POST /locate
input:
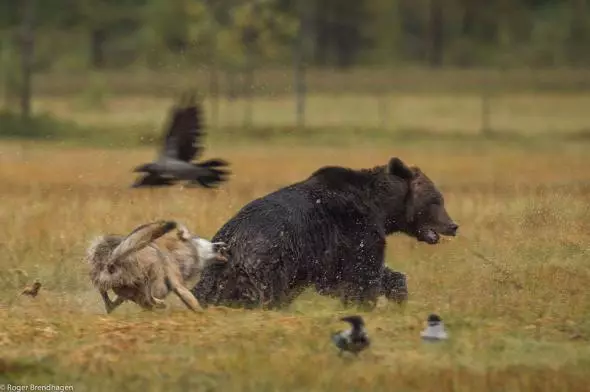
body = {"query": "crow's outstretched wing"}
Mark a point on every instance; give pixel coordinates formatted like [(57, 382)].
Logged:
[(184, 136)]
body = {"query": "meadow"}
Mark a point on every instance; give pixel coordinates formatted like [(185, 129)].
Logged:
[(511, 287)]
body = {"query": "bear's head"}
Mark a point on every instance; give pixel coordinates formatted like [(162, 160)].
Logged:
[(423, 215)]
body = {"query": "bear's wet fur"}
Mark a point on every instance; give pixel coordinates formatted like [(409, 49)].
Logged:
[(327, 231)]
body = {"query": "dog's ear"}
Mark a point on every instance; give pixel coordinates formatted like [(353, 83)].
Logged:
[(398, 168)]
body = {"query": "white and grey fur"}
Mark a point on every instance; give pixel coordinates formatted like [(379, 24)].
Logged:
[(140, 270), (208, 253)]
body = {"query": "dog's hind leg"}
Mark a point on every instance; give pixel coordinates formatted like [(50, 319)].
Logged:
[(183, 293), (110, 305), (156, 302), (147, 299), (160, 289), (188, 298)]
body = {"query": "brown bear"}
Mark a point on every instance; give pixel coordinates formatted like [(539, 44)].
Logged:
[(327, 231)]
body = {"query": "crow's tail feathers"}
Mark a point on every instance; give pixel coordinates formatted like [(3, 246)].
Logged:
[(217, 162), (213, 173)]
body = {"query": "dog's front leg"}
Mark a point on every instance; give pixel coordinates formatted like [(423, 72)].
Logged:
[(117, 302), (110, 305), (183, 293), (188, 298)]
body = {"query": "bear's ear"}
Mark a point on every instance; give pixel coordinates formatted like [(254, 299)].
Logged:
[(397, 168)]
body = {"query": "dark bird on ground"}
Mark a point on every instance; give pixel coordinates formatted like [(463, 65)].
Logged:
[(32, 290), (354, 339), (435, 330), (182, 143)]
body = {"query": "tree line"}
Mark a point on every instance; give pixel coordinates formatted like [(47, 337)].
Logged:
[(336, 33), (244, 35)]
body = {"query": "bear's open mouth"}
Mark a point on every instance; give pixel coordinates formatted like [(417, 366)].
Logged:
[(429, 236)]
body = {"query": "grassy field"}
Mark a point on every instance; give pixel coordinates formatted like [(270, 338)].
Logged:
[(517, 316), (278, 81), (524, 114), (408, 99), (518, 320)]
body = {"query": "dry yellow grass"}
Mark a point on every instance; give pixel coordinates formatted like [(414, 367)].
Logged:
[(517, 321)]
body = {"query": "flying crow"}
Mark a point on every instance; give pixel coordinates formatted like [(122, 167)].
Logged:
[(354, 339), (182, 143)]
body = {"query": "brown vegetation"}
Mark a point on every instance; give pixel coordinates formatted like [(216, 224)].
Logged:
[(517, 318)]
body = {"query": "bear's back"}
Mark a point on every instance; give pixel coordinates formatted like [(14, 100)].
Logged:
[(284, 209), (330, 196)]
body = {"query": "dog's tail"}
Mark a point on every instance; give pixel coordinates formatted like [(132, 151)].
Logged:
[(141, 237)]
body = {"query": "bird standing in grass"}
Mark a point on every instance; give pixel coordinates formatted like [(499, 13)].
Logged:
[(32, 290), (182, 143), (354, 339), (435, 330)]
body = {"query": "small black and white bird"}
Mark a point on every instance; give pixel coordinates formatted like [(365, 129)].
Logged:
[(354, 339), (182, 143), (435, 330)]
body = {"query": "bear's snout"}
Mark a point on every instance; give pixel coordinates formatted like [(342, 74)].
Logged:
[(443, 224), (451, 229)]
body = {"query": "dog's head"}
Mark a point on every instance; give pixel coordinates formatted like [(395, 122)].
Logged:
[(119, 273), (104, 272)]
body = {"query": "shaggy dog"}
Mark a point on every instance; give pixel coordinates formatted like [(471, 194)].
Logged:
[(329, 232), (138, 269)]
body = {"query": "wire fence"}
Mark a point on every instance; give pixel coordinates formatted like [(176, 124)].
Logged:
[(451, 101)]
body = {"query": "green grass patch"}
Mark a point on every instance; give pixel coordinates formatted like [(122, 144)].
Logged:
[(47, 128), (43, 126)]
